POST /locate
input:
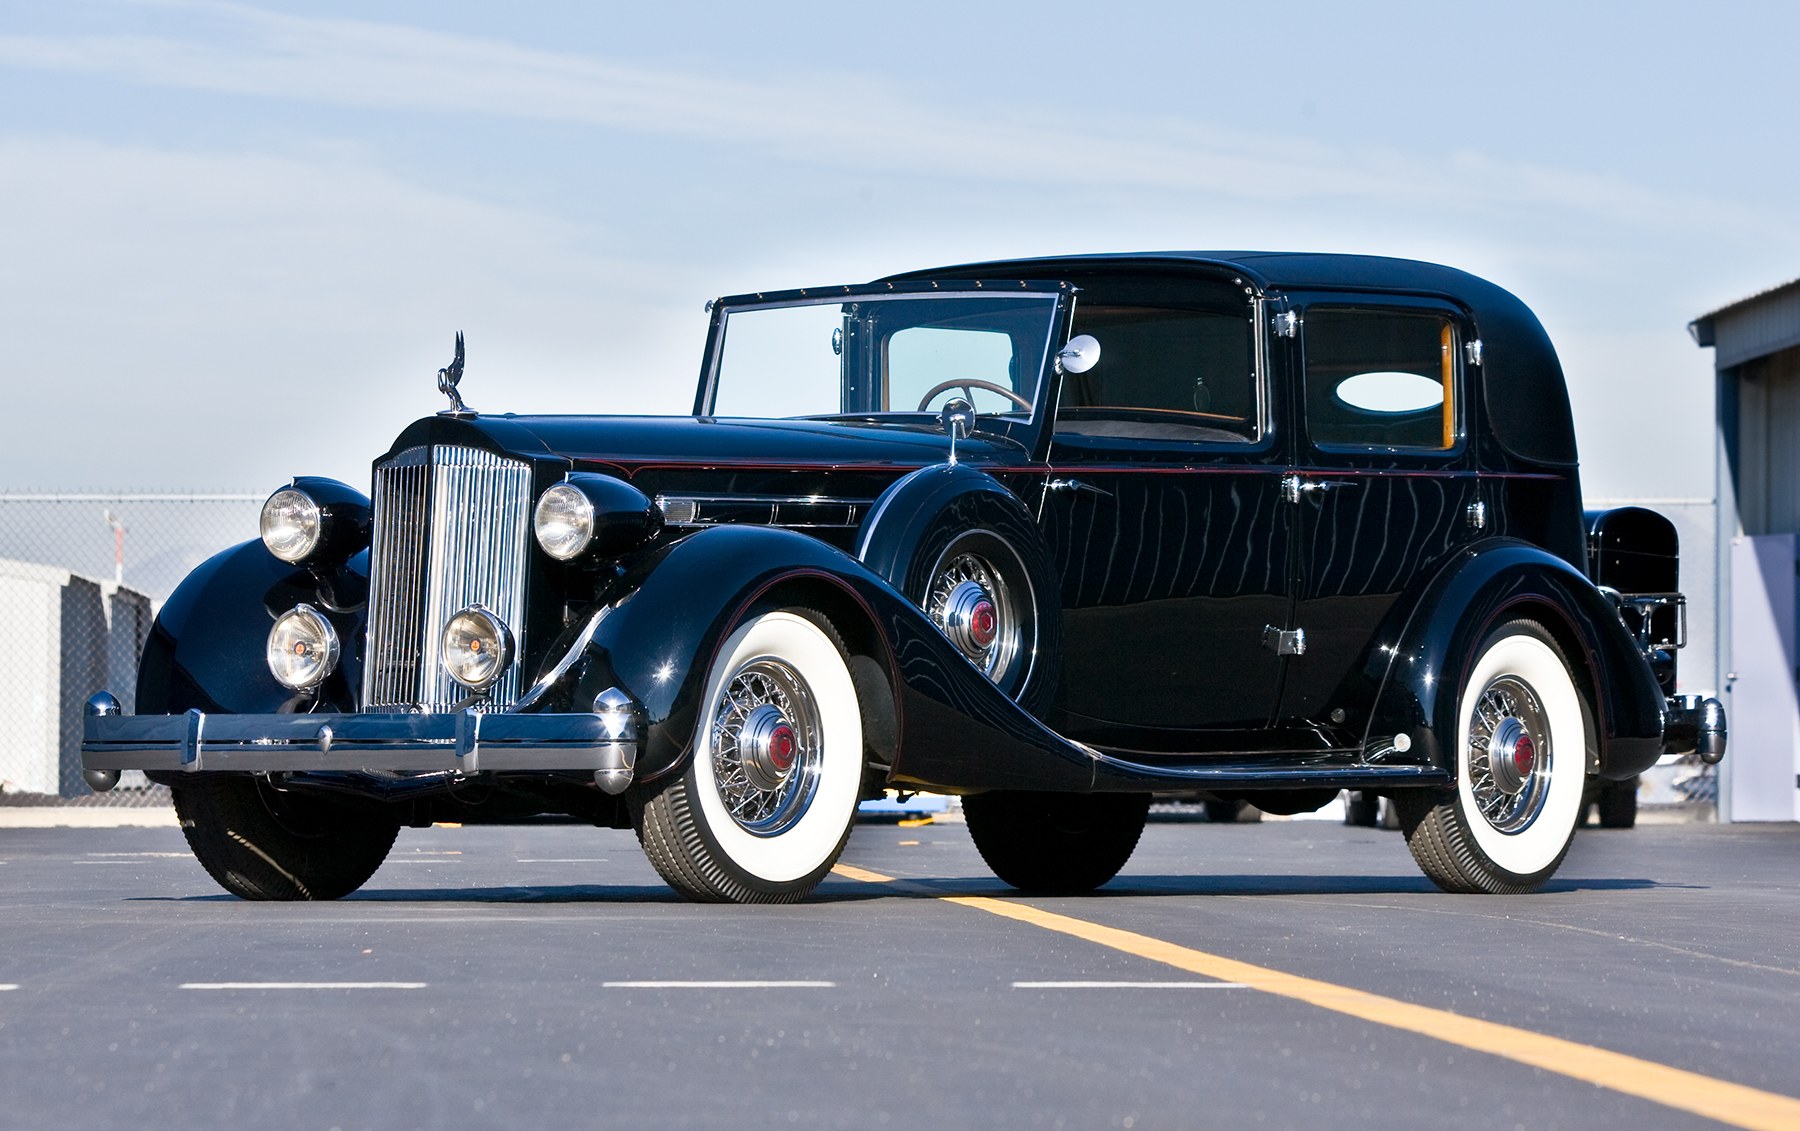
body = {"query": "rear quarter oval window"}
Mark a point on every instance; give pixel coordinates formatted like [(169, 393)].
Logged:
[(1388, 392)]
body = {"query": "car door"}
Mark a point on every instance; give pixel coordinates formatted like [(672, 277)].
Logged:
[(1164, 517), (1383, 487)]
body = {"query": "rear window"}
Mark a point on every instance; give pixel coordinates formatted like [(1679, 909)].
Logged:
[(1380, 379)]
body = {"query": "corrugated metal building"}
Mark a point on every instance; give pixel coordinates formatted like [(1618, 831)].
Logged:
[(1756, 358)]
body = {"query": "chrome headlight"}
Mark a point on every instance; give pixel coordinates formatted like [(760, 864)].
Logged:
[(303, 648), (316, 521), (593, 515), (563, 522), (477, 648), (291, 522)]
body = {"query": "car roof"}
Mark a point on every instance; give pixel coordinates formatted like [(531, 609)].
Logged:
[(1520, 376)]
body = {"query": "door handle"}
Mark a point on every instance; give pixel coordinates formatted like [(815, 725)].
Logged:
[(1073, 485), (1293, 487)]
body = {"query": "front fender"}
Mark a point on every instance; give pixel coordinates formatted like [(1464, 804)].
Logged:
[(207, 647), (658, 642), (1473, 595)]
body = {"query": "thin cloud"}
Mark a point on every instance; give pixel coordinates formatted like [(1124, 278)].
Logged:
[(243, 51)]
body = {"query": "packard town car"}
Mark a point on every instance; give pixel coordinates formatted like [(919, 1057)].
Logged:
[(1054, 535)]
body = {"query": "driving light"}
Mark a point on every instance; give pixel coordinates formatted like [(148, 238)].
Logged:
[(477, 648), (291, 524), (303, 648), (563, 522)]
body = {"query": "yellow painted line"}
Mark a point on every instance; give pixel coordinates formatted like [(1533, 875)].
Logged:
[(850, 872), (1677, 1088)]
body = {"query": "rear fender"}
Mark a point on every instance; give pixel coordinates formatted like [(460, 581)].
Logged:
[(1482, 589)]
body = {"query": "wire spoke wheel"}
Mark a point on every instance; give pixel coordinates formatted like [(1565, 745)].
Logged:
[(977, 595), (1510, 755), (1520, 747), (767, 800), (766, 747)]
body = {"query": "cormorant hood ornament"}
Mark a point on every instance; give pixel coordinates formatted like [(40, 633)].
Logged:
[(449, 377)]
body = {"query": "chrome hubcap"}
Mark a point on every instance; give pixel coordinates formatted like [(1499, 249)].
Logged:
[(972, 606), (970, 619), (1509, 754), (767, 746)]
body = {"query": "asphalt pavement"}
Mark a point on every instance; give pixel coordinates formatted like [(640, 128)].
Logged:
[(1283, 974)]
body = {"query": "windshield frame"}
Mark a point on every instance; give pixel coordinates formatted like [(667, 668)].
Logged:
[(1025, 429)]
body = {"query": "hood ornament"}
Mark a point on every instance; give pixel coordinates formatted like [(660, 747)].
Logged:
[(449, 377)]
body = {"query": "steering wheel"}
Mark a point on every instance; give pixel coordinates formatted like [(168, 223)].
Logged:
[(969, 385)]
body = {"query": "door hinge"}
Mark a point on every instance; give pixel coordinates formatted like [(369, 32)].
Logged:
[(1472, 351), (1287, 324), (1284, 641)]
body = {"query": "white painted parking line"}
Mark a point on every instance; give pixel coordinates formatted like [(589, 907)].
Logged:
[(719, 985), (303, 985), (566, 860), (8, 986), (155, 855), (1130, 986)]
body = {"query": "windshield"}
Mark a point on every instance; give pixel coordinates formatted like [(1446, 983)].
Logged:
[(877, 354)]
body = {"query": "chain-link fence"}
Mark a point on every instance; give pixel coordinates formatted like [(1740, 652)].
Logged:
[(81, 578)]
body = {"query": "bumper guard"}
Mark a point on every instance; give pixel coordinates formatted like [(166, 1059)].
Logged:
[(1692, 725)]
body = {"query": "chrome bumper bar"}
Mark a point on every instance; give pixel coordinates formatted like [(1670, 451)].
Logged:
[(603, 742)]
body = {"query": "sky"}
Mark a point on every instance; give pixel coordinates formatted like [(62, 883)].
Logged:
[(236, 240)]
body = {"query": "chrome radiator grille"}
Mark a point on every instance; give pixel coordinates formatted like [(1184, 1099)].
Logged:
[(451, 526)]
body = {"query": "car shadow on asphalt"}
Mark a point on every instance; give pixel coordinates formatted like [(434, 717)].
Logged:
[(841, 890), (538, 893), (1141, 886)]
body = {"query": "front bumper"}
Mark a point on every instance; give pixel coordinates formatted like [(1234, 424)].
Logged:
[(604, 743)]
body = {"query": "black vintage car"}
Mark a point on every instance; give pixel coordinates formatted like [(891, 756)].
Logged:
[(1055, 535)]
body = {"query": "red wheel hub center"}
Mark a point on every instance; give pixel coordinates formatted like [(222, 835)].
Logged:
[(1524, 756), (984, 624), (781, 747)]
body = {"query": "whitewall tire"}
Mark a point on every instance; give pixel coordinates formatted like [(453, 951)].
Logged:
[(1521, 765), (769, 797)]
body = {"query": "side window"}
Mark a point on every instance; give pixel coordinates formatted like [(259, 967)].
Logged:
[(1380, 378), (1174, 374)]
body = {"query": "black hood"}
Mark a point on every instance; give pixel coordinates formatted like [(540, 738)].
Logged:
[(624, 445)]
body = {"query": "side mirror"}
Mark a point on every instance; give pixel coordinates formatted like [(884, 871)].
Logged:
[(957, 419), (1080, 355)]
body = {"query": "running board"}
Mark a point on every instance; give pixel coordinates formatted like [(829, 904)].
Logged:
[(1114, 774)]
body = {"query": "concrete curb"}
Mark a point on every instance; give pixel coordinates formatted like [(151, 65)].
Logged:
[(84, 817)]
